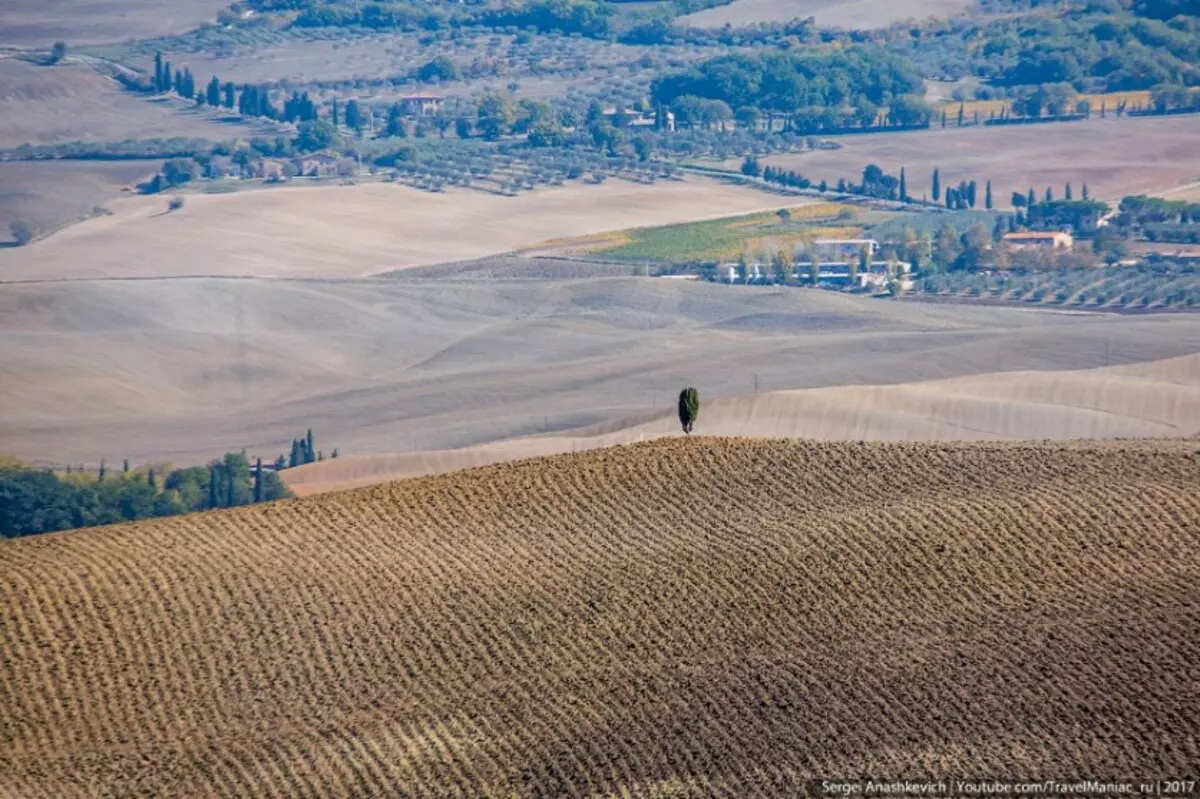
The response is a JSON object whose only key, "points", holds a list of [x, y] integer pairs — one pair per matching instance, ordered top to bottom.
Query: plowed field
{"points": [[676, 618]]}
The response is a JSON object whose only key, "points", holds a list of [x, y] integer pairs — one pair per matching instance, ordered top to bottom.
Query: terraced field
{"points": [[679, 618]]}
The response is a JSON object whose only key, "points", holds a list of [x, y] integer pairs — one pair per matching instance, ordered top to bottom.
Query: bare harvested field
{"points": [[860, 14], [39, 23], [71, 102], [41, 104], [1114, 157], [50, 194], [333, 231], [183, 369], [1141, 400], [680, 618]]}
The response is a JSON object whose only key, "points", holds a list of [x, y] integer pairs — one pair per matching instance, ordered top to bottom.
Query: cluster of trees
{"points": [[1101, 45], [859, 87], [302, 453], [41, 501]]}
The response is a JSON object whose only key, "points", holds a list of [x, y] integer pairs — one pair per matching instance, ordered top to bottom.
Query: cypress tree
{"points": [[158, 71], [227, 89], [213, 94], [961, 109], [335, 113], [937, 185], [903, 186], [1067, 193], [1084, 193], [971, 194], [987, 195], [1049, 195], [1032, 199], [689, 408], [308, 447], [295, 459], [280, 464], [125, 466], [102, 470], [151, 480], [258, 481], [212, 487], [229, 491]]}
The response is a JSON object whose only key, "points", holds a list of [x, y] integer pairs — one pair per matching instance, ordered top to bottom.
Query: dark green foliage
{"points": [[58, 52], [440, 68], [821, 91], [315, 135], [937, 185], [21, 231], [689, 408], [308, 447], [34, 501]]}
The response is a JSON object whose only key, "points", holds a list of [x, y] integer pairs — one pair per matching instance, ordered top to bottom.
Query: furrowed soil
{"points": [[691, 617]]}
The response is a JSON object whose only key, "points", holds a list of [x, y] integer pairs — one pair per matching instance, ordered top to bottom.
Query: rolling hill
{"points": [[1159, 398], [694, 617]]}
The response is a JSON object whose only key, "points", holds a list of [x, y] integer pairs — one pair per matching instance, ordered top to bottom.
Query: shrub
{"points": [[175, 204], [21, 232]]}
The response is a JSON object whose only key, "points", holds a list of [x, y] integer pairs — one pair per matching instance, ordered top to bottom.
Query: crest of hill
{"points": [[1159, 398], [702, 616]]}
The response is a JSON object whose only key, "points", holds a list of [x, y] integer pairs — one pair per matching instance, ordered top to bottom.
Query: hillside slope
{"points": [[1158, 398], [681, 617]]}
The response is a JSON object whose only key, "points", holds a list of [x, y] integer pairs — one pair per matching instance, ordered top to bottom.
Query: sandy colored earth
{"points": [[828, 13], [40, 23], [71, 102], [1115, 158], [51, 194], [338, 231], [184, 369], [1144, 400], [699, 618]]}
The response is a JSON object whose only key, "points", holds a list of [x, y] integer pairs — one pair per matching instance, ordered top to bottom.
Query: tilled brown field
{"points": [[677, 618]]}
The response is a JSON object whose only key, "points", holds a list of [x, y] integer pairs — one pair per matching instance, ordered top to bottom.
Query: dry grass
{"points": [[828, 13], [39, 23], [71, 102], [986, 107], [1114, 157], [50, 194], [333, 231], [183, 369], [733, 615]]}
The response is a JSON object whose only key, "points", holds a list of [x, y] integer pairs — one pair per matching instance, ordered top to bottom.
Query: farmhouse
{"points": [[422, 104], [316, 165], [1053, 240], [840, 249]]}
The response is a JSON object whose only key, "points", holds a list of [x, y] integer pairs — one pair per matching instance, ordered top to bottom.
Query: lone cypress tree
{"points": [[937, 185], [903, 186], [1084, 193], [1067, 194], [987, 195], [689, 408], [125, 466], [102, 470], [258, 483]]}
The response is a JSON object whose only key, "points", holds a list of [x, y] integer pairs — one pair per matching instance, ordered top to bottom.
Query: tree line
{"points": [[36, 500]]}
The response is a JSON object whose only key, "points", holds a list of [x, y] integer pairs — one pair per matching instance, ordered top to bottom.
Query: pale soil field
{"points": [[857, 14], [39, 23], [71, 102], [1114, 157], [50, 194], [331, 231], [182, 370], [1160, 398], [680, 618]]}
